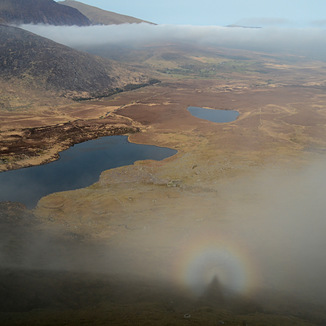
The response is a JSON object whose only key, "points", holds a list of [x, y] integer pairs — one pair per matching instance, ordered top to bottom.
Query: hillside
{"points": [[40, 12], [101, 17], [38, 62]]}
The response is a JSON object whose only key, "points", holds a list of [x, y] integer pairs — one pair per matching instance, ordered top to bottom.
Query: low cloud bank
{"points": [[302, 41], [279, 217], [263, 232]]}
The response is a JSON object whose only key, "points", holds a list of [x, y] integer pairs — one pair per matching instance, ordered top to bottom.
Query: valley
{"points": [[137, 215], [226, 231]]}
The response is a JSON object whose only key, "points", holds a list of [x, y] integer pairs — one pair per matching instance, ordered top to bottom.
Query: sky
{"points": [[298, 13]]}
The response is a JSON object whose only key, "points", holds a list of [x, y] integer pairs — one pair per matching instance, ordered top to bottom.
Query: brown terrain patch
{"points": [[269, 130], [28, 139], [145, 215]]}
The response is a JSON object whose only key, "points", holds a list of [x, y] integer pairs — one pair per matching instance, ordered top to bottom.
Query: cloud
{"points": [[263, 22], [319, 23], [301, 41], [283, 214], [279, 215], [270, 225]]}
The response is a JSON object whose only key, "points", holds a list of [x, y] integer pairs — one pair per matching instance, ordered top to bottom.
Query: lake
{"points": [[220, 116], [78, 167]]}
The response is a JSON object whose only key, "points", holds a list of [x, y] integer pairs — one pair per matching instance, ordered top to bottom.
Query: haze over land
{"points": [[298, 41], [229, 230]]}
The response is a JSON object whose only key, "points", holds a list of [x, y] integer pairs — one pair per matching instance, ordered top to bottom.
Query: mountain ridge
{"points": [[40, 12], [99, 16], [37, 61]]}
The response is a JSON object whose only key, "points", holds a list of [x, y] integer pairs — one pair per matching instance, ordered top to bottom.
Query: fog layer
{"points": [[301, 41], [280, 217], [259, 233]]}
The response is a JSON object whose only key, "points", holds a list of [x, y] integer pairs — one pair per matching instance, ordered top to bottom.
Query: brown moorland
{"points": [[142, 219]]}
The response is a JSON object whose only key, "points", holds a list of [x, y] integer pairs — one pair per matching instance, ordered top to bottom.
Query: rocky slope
{"points": [[40, 12], [101, 17], [39, 62]]}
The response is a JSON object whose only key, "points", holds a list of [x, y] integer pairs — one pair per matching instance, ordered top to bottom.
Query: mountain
{"points": [[40, 12], [101, 17], [38, 62]]}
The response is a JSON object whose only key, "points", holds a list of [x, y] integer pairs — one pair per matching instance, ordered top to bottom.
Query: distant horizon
{"points": [[255, 13]]}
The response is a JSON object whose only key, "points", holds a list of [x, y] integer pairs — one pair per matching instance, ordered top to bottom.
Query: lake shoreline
{"points": [[213, 115], [42, 145], [79, 167], [211, 194]]}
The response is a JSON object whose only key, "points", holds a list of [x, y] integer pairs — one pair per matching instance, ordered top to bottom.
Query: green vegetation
{"points": [[182, 62], [212, 70], [129, 87]]}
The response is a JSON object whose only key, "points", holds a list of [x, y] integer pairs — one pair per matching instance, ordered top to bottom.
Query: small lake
{"points": [[220, 116], [78, 167]]}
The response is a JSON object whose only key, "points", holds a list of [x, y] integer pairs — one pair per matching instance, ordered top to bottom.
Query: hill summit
{"points": [[40, 12], [102, 17], [34, 60]]}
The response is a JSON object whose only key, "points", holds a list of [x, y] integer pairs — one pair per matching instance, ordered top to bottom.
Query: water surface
{"points": [[220, 116], [78, 167]]}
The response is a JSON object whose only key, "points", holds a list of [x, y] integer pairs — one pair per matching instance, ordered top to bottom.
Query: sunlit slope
{"points": [[102, 17]]}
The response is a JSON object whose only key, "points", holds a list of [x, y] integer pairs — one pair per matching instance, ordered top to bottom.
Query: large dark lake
{"points": [[220, 116], [78, 167]]}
